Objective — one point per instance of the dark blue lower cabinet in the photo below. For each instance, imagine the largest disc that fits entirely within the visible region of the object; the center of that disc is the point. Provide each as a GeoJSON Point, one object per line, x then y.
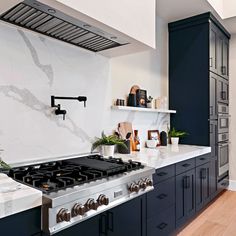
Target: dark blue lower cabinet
{"type": "Point", "coordinates": [185, 197]}
{"type": "Point", "coordinates": [88, 227]}
{"type": "Point", "coordinates": [123, 220]}
{"type": "Point", "coordinates": [163, 224]}
{"type": "Point", "coordinates": [25, 223]}
{"type": "Point", "coordinates": [126, 219]}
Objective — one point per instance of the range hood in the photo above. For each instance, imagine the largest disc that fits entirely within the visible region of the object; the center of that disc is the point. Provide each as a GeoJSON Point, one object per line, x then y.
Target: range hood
{"type": "Point", "coordinates": [62, 23]}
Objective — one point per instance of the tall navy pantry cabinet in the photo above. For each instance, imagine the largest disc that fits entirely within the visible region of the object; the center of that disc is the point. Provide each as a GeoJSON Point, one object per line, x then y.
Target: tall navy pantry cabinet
{"type": "Point", "coordinates": [198, 83]}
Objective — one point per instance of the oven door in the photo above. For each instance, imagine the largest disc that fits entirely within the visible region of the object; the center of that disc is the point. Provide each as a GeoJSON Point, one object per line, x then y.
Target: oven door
{"type": "Point", "coordinates": [223, 157]}
{"type": "Point", "coordinates": [223, 123]}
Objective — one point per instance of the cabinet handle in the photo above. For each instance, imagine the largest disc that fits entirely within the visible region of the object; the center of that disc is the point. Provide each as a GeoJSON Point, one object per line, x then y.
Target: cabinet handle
{"type": "Point", "coordinates": [223, 70]}
{"type": "Point", "coordinates": [110, 221]}
{"type": "Point", "coordinates": [162, 196]}
{"type": "Point", "coordinates": [162, 226]}
{"type": "Point", "coordinates": [211, 60]}
{"type": "Point", "coordinates": [223, 95]}
{"type": "Point", "coordinates": [103, 225]}
{"type": "Point", "coordinates": [186, 165]}
{"type": "Point", "coordinates": [203, 173]}
{"type": "Point", "coordinates": [162, 174]}
{"type": "Point", "coordinates": [202, 159]}
{"type": "Point", "coordinates": [186, 182]}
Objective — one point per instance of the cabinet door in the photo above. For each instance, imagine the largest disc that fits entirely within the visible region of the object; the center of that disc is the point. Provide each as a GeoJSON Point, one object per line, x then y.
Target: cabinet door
{"type": "Point", "coordinates": [213, 177]}
{"type": "Point", "coordinates": [126, 219]}
{"type": "Point", "coordinates": [88, 227]}
{"type": "Point", "coordinates": [213, 138]}
{"type": "Point", "coordinates": [213, 48]}
{"type": "Point", "coordinates": [202, 185]}
{"type": "Point", "coordinates": [185, 197]}
{"type": "Point", "coordinates": [213, 96]}
{"type": "Point", "coordinates": [222, 90]}
{"type": "Point", "coordinates": [225, 58]}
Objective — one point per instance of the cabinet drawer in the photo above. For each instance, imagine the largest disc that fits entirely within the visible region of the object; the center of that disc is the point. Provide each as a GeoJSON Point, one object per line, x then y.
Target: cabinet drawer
{"type": "Point", "coordinates": [185, 166]}
{"type": "Point", "coordinates": [162, 197]}
{"type": "Point", "coordinates": [203, 159]}
{"type": "Point", "coordinates": [163, 174]}
{"type": "Point", "coordinates": [163, 224]}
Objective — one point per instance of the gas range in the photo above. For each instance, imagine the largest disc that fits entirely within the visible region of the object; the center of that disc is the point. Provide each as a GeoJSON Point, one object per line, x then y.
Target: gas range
{"type": "Point", "coordinates": [78, 188]}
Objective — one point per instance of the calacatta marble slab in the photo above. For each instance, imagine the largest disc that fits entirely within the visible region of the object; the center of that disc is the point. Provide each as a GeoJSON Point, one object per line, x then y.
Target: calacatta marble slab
{"type": "Point", "coordinates": [164, 156]}
{"type": "Point", "coordinates": [16, 197]}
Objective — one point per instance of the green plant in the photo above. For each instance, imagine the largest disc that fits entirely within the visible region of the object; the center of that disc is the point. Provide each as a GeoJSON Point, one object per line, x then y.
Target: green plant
{"type": "Point", "coordinates": [108, 140]}
{"type": "Point", "coordinates": [177, 133]}
{"type": "Point", "coordinates": [4, 165]}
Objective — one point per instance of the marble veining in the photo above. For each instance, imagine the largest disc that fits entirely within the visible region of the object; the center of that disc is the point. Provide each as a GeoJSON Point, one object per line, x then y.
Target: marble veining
{"type": "Point", "coordinates": [47, 69]}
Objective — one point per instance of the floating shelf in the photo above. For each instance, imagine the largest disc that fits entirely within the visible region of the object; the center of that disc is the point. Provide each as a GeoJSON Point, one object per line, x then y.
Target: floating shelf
{"type": "Point", "coordinates": [140, 109]}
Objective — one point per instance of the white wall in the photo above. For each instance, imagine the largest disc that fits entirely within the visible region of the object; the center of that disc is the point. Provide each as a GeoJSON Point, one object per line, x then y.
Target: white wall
{"type": "Point", "coordinates": [134, 18]}
{"type": "Point", "coordinates": [33, 68]}
{"type": "Point", "coordinates": [232, 99]}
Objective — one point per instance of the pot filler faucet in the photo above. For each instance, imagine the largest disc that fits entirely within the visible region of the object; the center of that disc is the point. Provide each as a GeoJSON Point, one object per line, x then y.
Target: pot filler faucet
{"type": "Point", "coordinates": [59, 111]}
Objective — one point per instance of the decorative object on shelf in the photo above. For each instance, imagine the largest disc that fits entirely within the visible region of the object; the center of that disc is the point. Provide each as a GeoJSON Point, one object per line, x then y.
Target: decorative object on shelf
{"type": "Point", "coordinates": [141, 98]}
{"type": "Point", "coordinates": [150, 102]}
{"type": "Point", "coordinates": [175, 135]}
{"type": "Point", "coordinates": [154, 135]}
{"type": "Point", "coordinates": [58, 110]}
{"type": "Point", "coordinates": [163, 138]}
{"type": "Point", "coordinates": [107, 144]}
{"type": "Point", "coordinates": [120, 102]}
{"type": "Point", "coordinates": [132, 101]}
{"type": "Point", "coordinates": [161, 103]}
{"type": "Point", "coordinates": [136, 146]}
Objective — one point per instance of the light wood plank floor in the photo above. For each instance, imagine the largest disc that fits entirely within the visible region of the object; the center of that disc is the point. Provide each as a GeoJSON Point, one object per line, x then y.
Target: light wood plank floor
{"type": "Point", "coordinates": [219, 219]}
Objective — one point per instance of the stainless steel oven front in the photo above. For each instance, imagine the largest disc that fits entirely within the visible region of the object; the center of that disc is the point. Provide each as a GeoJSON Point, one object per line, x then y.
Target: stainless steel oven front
{"type": "Point", "coordinates": [223, 158]}
{"type": "Point", "coordinates": [223, 123]}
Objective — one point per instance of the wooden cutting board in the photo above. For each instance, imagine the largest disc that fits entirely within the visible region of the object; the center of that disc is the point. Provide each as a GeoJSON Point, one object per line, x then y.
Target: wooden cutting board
{"type": "Point", "coordinates": [124, 128]}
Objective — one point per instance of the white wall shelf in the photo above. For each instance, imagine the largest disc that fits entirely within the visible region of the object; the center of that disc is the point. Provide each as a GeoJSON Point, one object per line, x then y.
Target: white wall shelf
{"type": "Point", "coordinates": [140, 109]}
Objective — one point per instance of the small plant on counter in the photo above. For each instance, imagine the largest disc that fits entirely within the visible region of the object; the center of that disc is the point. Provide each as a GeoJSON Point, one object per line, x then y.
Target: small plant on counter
{"type": "Point", "coordinates": [4, 165]}
{"type": "Point", "coordinates": [107, 144]}
{"type": "Point", "coordinates": [175, 135]}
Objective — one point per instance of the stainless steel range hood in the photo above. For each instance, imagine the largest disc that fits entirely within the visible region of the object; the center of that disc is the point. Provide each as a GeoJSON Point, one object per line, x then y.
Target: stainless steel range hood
{"type": "Point", "coordinates": [51, 21]}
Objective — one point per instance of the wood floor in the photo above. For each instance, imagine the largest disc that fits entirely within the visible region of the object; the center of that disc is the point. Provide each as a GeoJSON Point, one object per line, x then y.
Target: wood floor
{"type": "Point", "coordinates": [219, 219]}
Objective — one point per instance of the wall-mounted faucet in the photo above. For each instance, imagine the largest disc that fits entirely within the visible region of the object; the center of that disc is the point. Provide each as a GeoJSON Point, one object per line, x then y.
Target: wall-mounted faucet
{"type": "Point", "coordinates": [58, 111]}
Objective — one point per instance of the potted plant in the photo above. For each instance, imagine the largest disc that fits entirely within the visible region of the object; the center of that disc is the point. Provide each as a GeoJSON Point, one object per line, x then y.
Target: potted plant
{"type": "Point", "coordinates": [107, 144]}
{"type": "Point", "coordinates": [149, 102]}
{"type": "Point", "coordinates": [175, 135]}
{"type": "Point", "coordinates": [4, 165]}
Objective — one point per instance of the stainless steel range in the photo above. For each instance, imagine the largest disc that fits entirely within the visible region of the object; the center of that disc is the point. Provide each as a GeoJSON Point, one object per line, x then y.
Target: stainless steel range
{"type": "Point", "coordinates": [81, 187]}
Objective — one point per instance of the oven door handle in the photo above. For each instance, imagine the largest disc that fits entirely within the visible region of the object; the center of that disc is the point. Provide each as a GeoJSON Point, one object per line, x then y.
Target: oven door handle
{"type": "Point", "coordinates": [223, 144]}
{"type": "Point", "coordinates": [224, 116]}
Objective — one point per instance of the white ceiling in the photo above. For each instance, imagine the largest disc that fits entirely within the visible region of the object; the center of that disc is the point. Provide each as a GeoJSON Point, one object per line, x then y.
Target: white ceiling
{"type": "Point", "coordinates": [172, 10]}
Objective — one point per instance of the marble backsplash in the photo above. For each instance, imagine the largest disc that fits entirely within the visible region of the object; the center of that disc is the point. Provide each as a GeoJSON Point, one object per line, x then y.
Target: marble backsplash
{"type": "Point", "coordinates": [33, 68]}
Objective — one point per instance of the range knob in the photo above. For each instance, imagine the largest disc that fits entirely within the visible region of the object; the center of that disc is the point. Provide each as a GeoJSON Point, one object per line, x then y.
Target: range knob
{"type": "Point", "coordinates": [142, 184]}
{"type": "Point", "coordinates": [78, 209]}
{"type": "Point", "coordinates": [91, 204]}
{"type": "Point", "coordinates": [133, 188]}
{"type": "Point", "coordinates": [63, 215]}
{"type": "Point", "coordinates": [103, 200]}
{"type": "Point", "coordinates": [148, 182]}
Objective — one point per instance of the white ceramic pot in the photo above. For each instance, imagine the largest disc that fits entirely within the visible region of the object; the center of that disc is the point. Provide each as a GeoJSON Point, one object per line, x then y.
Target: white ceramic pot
{"type": "Point", "coordinates": [174, 140]}
{"type": "Point", "coordinates": [107, 150]}
{"type": "Point", "coordinates": [151, 143]}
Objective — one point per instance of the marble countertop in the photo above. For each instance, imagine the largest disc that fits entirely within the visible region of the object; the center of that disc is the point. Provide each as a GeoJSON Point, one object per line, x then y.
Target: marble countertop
{"type": "Point", "coordinates": [16, 197]}
{"type": "Point", "coordinates": [164, 156]}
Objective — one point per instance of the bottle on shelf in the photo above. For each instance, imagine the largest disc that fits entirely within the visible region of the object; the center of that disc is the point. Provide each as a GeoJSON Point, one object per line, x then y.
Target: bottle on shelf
{"type": "Point", "coordinates": [136, 146]}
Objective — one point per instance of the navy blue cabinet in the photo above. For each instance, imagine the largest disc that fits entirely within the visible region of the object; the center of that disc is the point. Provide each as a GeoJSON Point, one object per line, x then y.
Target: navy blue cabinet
{"type": "Point", "coordinates": [203, 193]}
{"type": "Point", "coordinates": [185, 197]}
{"type": "Point", "coordinates": [25, 223]}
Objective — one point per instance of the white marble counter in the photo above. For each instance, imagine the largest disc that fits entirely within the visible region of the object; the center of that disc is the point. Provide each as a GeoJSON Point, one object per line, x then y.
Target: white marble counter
{"type": "Point", "coordinates": [16, 197]}
{"type": "Point", "coordinates": [164, 156]}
